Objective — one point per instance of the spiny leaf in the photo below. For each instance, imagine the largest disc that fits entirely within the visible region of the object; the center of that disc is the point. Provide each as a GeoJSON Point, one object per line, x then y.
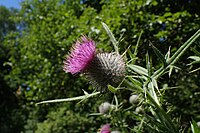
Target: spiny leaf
{"type": "Point", "coordinates": [195, 58]}
{"type": "Point", "coordinates": [177, 55]}
{"type": "Point", "coordinates": [159, 54]}
{"type": "Point", "coordinates": [194, 127]}
{"type": "Point", "coordinates": [112, 89]}
{"type": "Point", "coordinates": [183, 48]}
{"type": "Point", "coordinates": [167, 56]}
{"type": "Point", "coordinates": [138, 69]}
{"type": "Point", "coordinates": [136, 47]}
{"type": "Point", "coordinates": [112, 38]}
{"type": "Point", "coordinates": [69, 99]}
{"type": "Point", "coordinates": [148, 65]}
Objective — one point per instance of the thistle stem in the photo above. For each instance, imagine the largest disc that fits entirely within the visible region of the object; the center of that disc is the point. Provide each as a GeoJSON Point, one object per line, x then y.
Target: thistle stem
{"type": "Point", "coordinates": [176, 55]}
{"type": "Point", "coordinates": [166, 119]}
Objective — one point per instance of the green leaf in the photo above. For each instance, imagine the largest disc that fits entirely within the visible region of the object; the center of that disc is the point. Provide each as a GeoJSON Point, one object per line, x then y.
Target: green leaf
{"type": "Point", "coordinates": [112, 38]}
{"type": "Point", "coordinates": [170, 70]}
{"type": "Point", "coordinates": [177, 55]}
{"type": "Point", "coordinates": [136, 48]}
{"type": "Point", "coordinates": [112, 89]}
{"type": "Point", "coordinates": [183, 48]}
{"type": "Point", "coordinates": [194, 127]}
{"type": "Point", "coordinates": [167, 56]}
{"type": "Point", "coordinates": [159, 55]}
{"type": "Point", "coordinates": [138, 69]}
{"type": "Point", "coordinates": [70, 99]}
{"type": "Point", "coordinates": [196, 58]}
{"type": "Point", "coordinates": [131, 55]}
{"type": "Point", "coordinates": [148, 65]}
{"type": "Point", "coordinates": [135, 82]}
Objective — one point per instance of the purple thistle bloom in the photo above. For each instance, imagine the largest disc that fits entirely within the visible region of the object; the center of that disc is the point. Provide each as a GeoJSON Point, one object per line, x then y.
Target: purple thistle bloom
{"type": "Point", "coordinates": [101, 69]}
{"type": "Point", "coordinates": [81, 55]}
{"type": "Point", "coordinates": [105, 129]}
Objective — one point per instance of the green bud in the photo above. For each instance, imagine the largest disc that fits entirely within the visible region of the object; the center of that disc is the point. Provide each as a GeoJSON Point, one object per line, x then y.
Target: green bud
{"type": "Point", "coordinates": [134, 99]}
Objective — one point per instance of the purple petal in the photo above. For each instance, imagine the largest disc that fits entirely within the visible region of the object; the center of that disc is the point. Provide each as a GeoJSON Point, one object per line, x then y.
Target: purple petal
{"type": "Point", "coordinates": [81, 55]}
{"type": "Point", "coordinates": [105, 129]}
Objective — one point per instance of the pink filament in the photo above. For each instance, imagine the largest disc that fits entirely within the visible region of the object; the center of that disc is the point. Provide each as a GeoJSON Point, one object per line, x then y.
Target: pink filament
{"type": "Point", "coordinates": [81, 55]}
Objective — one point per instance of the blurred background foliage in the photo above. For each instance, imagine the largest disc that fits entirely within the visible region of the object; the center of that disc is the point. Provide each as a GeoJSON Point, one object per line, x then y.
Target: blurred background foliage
{"type": "Point", "coordinates": [35, 39]}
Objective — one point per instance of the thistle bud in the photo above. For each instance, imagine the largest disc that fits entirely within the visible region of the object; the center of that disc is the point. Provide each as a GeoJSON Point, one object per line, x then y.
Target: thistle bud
{"type": "Point", "coordinates": [198, 124]}
{"type": "Point", "coordinates": [139, 110]}
{"type": "Point", "coordinates": [134, 99]}
{"type": "Point", "coordinates": [104, 107]}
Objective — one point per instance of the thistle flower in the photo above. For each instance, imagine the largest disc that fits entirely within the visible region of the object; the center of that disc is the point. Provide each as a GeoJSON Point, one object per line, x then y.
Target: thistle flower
{"type": "Point", "coordinates": [101, 69]}
{"type": "Point", "coordinates": [105, 129]}
{"type": "Point", "coordinates": [81, 55]}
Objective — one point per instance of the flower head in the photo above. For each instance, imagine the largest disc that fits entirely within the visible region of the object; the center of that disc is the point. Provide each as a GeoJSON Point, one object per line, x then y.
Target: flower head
{"type": "Point", "coordinates": [101, 69]}
{"type": "Point", "coordinates": [80, 57]}
{"type": "Point", "coordinates": [105, 129]}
